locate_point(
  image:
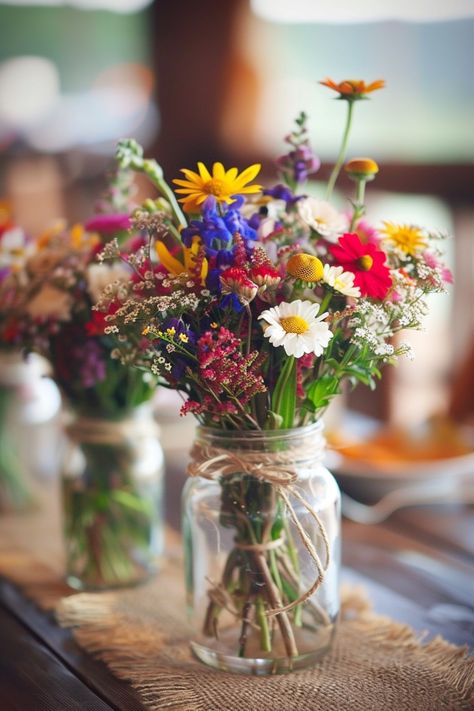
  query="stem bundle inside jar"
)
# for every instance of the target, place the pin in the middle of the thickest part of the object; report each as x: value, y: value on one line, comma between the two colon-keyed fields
x: 110, y: 517
x: 261, y: 574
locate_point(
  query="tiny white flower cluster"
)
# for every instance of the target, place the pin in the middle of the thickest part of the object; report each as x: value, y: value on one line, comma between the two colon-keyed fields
x: 110, y: 251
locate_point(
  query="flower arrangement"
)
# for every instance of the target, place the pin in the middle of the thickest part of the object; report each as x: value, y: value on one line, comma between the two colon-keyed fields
x: 258, y: 309
x: 256, y: 305
x: 47, y: 307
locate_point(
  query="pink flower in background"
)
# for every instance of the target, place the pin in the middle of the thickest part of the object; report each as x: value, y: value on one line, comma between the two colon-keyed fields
x: 432, y: 261
x: 367, y: 233
x: 109, y: 223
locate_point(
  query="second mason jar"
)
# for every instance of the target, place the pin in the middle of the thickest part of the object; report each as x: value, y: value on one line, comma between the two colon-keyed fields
x: 112, y: 500
x: 261, y: 524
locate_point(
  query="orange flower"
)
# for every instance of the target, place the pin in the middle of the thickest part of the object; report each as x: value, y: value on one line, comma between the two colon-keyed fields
x: 361, y: 167
x: 353, y: 88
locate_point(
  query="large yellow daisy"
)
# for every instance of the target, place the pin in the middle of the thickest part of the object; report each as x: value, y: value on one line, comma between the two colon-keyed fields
x: 408, y: 238
x: 222, y: 184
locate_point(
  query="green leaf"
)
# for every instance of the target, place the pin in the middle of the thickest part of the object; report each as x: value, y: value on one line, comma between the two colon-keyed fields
x: 284, y: 395
x: 321, y: 391
x: 131, y: 501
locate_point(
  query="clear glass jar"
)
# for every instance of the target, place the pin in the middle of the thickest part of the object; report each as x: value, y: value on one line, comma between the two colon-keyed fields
x: 260, y: 514
x: 112, y: 487
x: 29, y: 430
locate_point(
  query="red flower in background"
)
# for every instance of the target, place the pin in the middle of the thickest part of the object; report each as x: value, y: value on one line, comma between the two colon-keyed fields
x: 366, y: 262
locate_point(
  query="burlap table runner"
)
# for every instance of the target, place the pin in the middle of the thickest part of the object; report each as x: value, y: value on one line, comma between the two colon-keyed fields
x: 376, y: 664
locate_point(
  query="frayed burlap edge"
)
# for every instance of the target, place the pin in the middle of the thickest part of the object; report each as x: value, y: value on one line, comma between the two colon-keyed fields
x: 150, y: 661
x: 131, y: 654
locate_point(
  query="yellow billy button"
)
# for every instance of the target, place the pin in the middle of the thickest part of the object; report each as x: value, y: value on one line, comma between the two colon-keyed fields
x: 366, y: 262
x: 305, y: 267
x: 361, y: 168
x: 294, y: 324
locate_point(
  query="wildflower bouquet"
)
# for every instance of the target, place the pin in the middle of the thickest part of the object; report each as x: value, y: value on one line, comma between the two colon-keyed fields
x: 111, y: 515
x: 15, y: 246
x: 256, y: 304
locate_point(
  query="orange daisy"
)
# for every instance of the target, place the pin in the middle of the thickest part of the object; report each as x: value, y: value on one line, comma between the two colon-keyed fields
x: 353, y: 88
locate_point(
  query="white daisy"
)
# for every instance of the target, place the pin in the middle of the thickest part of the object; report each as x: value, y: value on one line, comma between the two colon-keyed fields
x: 340, y: 281
x: 297, y: 327
x: 322, y: 217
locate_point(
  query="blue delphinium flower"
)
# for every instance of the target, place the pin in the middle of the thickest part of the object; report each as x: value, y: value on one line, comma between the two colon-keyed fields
x: 217, y: 230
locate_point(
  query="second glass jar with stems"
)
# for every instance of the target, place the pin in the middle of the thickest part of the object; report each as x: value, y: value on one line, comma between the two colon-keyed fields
x: 112, y: 500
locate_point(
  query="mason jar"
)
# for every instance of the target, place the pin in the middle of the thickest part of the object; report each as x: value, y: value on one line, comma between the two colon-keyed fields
x: 112, y: 490
x: 261, y: 528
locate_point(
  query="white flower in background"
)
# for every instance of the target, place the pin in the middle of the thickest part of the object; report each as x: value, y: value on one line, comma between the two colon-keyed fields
x: 322, y: 217
x: 297, y: 327
x: 340, y: 281
x: 50, y: 303
x: 100, y: 275
x: 14, y: 248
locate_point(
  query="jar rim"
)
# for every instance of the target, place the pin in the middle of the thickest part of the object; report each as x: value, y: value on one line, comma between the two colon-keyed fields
x: 315, y: 428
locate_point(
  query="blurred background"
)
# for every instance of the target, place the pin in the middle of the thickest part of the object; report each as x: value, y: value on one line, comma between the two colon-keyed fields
x: 223, y: 81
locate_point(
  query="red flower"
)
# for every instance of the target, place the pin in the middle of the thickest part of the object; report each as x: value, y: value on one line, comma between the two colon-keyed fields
x: 96, y: 325
x: 366, y: 262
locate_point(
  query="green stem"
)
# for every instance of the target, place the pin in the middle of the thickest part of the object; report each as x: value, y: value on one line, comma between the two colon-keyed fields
x: 262, y: 619
x: 325, y: 302
x: 154, y: 172
x: 249, y: 329
x: 359, y: 207
x: 342, y: 153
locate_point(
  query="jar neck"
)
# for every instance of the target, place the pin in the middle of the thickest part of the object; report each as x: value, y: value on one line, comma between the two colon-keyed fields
x: 132, y: 425
x: 302, y: 442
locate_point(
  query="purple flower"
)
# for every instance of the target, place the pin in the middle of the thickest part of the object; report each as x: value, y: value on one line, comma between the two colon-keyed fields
x: 92, y: 366
x: 217, y: 230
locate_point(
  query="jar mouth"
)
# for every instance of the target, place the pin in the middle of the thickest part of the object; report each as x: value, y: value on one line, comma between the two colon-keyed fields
x: 262, y: 440
x: 317, y: 426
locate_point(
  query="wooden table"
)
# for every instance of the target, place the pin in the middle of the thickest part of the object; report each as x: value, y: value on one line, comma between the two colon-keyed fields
x: 417, y: 567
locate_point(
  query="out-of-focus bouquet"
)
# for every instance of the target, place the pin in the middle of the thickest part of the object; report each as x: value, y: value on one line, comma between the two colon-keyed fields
x: 112, y: 505
x: 256, y: 304
x: 47, y: 307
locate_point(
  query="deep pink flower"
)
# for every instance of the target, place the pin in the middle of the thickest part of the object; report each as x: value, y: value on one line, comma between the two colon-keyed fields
x: 366, y: 262
x: 109, y: 223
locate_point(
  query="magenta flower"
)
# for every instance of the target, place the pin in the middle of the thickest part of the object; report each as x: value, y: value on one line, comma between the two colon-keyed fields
x: 109, y: 223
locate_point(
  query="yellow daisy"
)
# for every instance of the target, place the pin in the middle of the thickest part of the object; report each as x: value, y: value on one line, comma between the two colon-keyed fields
x: 174, y: 266
x: 407, y: 238
x: 222, y: 184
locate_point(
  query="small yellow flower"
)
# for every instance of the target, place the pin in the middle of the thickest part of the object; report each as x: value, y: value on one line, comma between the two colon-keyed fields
x: 81, y: 239
x: 214, y: 325
x: 305, y: 267
x: 361, y: 168
x: 50, y: 234
x: 174, y: 266
x: 183, y: 338
x: 146, y: 331
x: 5, y: 213
x: 222, y: 184
x: 408, y: 238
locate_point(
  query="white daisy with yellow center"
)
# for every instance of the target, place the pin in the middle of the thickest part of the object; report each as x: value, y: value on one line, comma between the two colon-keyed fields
x: 297, y: 327
x: 340, y: 281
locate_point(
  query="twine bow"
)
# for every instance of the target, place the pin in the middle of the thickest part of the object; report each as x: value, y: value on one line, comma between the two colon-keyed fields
x: 275, y: 468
